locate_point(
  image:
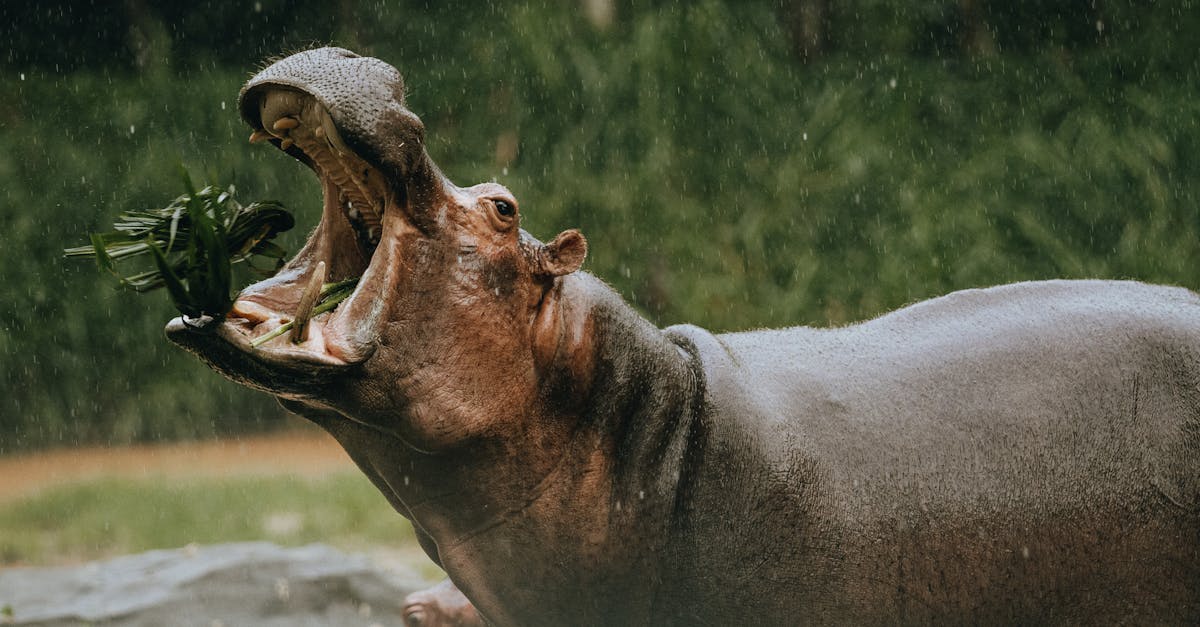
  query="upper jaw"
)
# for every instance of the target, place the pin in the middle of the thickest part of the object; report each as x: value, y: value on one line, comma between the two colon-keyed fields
x: 344, y: 117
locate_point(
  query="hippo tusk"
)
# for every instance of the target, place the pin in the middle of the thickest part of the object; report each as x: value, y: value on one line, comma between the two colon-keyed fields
x: 330, y: 132
x: 285, y: 124
x: 258, y: 136
x: 308, y: 300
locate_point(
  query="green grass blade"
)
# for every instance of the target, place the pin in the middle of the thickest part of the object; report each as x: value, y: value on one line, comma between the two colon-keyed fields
x: 176, y: 288
x: 102, y: 259
x: 193, y: 242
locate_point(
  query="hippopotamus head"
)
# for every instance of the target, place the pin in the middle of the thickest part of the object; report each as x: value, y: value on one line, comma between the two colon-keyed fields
x: 454, y: 300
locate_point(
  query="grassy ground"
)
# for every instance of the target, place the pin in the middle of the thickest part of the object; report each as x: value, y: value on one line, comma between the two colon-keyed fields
x: 71, y: 505
x: 114, y: 516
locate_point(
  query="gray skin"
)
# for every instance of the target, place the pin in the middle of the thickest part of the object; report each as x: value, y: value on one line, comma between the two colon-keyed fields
x: 1019, y: 454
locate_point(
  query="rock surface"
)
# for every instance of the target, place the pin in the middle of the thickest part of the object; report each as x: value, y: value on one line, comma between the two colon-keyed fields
x: 230, y: 585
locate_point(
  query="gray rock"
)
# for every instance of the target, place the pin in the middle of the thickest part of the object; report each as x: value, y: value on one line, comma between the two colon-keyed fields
x: 230, y: 585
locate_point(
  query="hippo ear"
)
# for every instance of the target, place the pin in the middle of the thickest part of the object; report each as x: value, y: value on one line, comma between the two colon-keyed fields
x: 562, y: 256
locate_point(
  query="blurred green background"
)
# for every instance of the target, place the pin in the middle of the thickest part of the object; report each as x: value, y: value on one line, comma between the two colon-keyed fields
x: 733, y: 164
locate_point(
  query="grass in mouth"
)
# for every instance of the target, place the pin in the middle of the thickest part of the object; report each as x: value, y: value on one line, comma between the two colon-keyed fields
x: 331, y: 295
x: 193, y: 243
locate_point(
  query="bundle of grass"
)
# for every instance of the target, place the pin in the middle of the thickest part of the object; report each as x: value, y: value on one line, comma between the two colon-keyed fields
x: 193, y: 243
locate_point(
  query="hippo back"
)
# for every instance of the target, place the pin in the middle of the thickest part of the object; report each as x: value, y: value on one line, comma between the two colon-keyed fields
x: 977, y: 455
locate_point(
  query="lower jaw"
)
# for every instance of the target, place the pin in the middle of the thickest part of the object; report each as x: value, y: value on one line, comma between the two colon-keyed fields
x: 287, y: 372
x: 344, y: 336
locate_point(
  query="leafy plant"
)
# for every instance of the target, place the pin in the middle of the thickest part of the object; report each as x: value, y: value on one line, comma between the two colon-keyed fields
x: 193, y: 242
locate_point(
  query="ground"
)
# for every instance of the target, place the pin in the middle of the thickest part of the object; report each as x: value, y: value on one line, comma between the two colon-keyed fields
x: 297, y: 453
x: 295, y: 487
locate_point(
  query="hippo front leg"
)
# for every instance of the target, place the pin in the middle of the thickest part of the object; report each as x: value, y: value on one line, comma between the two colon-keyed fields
x: 440, y: 606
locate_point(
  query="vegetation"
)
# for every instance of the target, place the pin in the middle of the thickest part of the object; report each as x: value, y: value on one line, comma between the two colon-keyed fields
x: 193, y: 243
x: 107, y: 517
x: 721, y: 178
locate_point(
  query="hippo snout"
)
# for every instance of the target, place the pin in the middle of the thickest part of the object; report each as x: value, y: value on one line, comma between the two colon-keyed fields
x: 362, y: 98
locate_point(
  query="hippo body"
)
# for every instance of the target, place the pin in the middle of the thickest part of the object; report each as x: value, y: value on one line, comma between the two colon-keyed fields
x: 1026, y: 453
x: 1019, y: 455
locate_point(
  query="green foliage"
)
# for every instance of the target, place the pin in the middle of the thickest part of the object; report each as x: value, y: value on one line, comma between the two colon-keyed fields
x: 718, y: 181
x: 193, y: 242
x: 81, y: 359
x: 108, y: 517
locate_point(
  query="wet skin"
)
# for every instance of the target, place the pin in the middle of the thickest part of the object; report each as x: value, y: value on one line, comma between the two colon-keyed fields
x: 1019, y: 454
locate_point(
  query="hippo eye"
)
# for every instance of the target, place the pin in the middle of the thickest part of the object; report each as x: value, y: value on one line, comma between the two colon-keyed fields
x: 504, y: 208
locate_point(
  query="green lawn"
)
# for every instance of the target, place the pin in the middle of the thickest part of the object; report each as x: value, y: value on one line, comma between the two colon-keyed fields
x: 107, y: 517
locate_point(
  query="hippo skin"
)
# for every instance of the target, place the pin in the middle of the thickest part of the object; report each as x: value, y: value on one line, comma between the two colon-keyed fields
x: 1018, y: 454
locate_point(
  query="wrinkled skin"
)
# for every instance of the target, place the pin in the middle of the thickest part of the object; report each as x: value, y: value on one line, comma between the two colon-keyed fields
x: 1021, y: 454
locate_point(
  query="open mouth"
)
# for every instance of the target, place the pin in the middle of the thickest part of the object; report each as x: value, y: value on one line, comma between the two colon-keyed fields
x: 344, y: 116
x: 357, y: 203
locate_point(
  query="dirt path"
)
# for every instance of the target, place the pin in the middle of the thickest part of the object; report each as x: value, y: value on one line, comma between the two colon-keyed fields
x: 303, y: 452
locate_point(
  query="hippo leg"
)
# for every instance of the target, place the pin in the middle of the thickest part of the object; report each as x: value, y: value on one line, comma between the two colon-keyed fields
x: 440, y: 606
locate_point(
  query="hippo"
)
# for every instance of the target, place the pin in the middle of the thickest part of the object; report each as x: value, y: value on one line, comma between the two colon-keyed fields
x: 1028, y: 453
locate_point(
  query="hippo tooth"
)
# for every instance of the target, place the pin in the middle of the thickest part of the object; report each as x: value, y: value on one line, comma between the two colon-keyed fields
x: 286, y: 143
x: 285, y: 124
x: 319, y: 132
x: 279, y: 105
x: 330, y: 131
x: 308, y: 300
x: 258, y: 136
x: 251, y: 311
